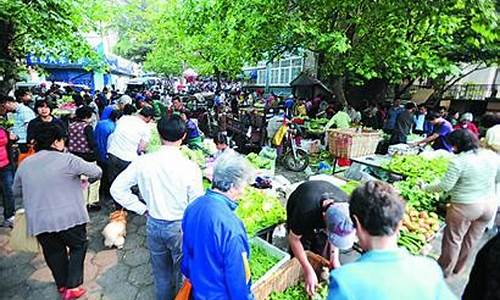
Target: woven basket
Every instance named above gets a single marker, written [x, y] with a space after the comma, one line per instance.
[348, 143]
[289, 274]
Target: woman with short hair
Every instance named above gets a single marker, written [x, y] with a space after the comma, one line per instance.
[215, 245]
[470, 180]
[49, 184]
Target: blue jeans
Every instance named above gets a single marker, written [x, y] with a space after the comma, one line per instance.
[165, 246]
[6, 180]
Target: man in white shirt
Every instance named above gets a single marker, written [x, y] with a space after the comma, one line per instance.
[128, 141]
[167, 181]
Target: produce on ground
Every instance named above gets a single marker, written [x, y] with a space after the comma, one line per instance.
[260, 162]
[261, 261]
[259, 211]
[298, 292]
[350, 186]
[418, 169]
[316, 158]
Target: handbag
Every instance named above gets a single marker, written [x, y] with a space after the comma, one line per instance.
[23, 156]
[185, 291]
[19, 239]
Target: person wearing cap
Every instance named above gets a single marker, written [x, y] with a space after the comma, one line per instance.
[384, 271]
[466, 123]
[404, 123]
[318, 220]
[128, 141]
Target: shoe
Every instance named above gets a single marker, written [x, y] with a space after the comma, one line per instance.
[70, 294]
[8, 222]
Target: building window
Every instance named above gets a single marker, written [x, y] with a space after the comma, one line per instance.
[275, 76]
[261, 76]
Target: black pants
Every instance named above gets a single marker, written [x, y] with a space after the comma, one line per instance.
[104, 186]
[66, 267]
[115, 167]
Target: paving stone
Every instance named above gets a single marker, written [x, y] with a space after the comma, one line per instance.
[4, 239]
[13, 276]
[131, 228]
[136, 257]
[90, 270]
[38, 261]
[113, 275]
[95, 296]
[133, 241]
[139, 220]
[146, 293]
[96, 244]
[40, 277]
[106, 259]
[92, 287]
[16, 259]
[48, 292]
[141, 275]
[121, 291]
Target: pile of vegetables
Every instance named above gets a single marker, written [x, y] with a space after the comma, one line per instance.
[206, 184]
[316, 125]
[418, 228]
[298, 292]
[260, 162]
[350, 186]
[260, 261]
[195, 155]
[322, 156]
[418, 169]
[259, 211]
[6, 123]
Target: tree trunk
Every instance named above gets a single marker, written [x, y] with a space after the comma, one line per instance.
[338, 84]
[7, 61]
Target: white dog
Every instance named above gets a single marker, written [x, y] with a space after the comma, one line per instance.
[114, 233]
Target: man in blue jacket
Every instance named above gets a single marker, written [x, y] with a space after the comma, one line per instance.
[384, 271]
[215, 246]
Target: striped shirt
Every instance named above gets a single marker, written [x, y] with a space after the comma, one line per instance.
[470, 178]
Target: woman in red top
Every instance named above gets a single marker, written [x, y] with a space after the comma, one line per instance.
[7, 178]
[466, 123]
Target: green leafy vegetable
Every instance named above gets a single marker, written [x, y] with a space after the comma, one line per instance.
[260, 261]
[259, 211]
[298, 292]
[260, 162]
[350, 186]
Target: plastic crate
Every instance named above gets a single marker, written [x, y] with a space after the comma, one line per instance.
[273, 251]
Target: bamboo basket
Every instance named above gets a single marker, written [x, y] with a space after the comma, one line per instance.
[289, 274]
[349, 143]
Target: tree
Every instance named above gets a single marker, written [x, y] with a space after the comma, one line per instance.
[41, 28]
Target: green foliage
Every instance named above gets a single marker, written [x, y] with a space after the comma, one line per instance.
[47, 27]
[261, 261]
[258, 211]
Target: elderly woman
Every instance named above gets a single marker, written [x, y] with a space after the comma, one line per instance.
[215, 246]
[466, 123]
[49, 184]
[470, 179]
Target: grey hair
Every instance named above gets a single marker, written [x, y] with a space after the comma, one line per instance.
[231, 170]
[467, 117]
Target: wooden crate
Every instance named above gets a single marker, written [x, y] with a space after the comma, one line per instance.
[289, 274]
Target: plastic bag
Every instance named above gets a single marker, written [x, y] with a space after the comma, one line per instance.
[185, 291]
[19, 238]
[280, 135]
